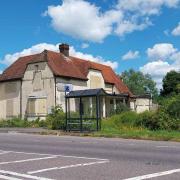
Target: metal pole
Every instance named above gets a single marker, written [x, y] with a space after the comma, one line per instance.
[99, 120]
[66, 113]
[97, 112]
[81, 128]
[69, 114]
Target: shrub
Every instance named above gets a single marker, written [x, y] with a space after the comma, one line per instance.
[173, 107]
[56, 120]
[120, 107]
[158, 120]
[14, 122]
[38, 123]
[127, 118]
[148, 120]
[170, 112]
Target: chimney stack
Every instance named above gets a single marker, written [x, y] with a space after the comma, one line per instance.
[64, 49]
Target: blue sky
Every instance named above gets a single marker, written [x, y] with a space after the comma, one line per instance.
[143, 35]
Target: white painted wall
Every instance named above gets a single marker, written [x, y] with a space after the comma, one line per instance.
[143, 104]
[60, 94]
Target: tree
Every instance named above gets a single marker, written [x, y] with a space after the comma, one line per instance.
[171, 83]
[139, 83]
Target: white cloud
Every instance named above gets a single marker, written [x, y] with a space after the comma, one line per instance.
[97, 59]
[130, 55]
[176, 31]
[161, 51]
[146, 7]
[165, 58]
[84, 20]
[10, 58]
[127, 27]
[1, 72]
[84, 45]
[158, 69]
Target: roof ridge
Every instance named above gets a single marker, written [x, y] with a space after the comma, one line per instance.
[90, 61]
[46, 50]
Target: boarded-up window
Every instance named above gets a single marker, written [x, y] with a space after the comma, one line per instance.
[31, 106]
[95, 82]
[41, 106]
[10, 87]
[37, 83]
[9, 108]
[37, 106]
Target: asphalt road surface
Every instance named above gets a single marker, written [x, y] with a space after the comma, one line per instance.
[24, 156]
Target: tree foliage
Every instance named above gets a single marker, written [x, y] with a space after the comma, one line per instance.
[171, 84]
[139, 83]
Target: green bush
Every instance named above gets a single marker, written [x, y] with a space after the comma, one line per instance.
[120, 107]
[56, 120]
[38, 123]
[14, 122]
[125, 118]
[173, 107]
[148, 120]
[170, 112]
[152, 120]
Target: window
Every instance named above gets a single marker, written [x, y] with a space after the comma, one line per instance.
[37, 107]
[95, 82]
[37, 82]
[111, 101]
[31, 106]
[9, 108]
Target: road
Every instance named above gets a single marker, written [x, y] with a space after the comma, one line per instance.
[24, 156]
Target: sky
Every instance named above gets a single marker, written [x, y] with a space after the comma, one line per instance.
[124, 34]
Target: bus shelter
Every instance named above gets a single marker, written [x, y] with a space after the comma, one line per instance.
[83, 109]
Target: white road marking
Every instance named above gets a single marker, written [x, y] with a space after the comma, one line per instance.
[23, 175]
[27, 160]
[168, 146]
[8, 178]
[66, 167]
[3, 153]
[148, 176]
[59, 155]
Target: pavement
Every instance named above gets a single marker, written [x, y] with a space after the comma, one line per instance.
[22, 130]
[27, 156]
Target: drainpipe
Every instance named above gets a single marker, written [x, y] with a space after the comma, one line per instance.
[21, 100]
[55, 90]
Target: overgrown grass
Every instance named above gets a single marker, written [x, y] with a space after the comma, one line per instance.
[21, 123]
[111, 127]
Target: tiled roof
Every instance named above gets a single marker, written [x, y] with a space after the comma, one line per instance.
[17, 69]
[65, 67]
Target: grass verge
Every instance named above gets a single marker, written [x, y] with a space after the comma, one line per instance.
[111, 130]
